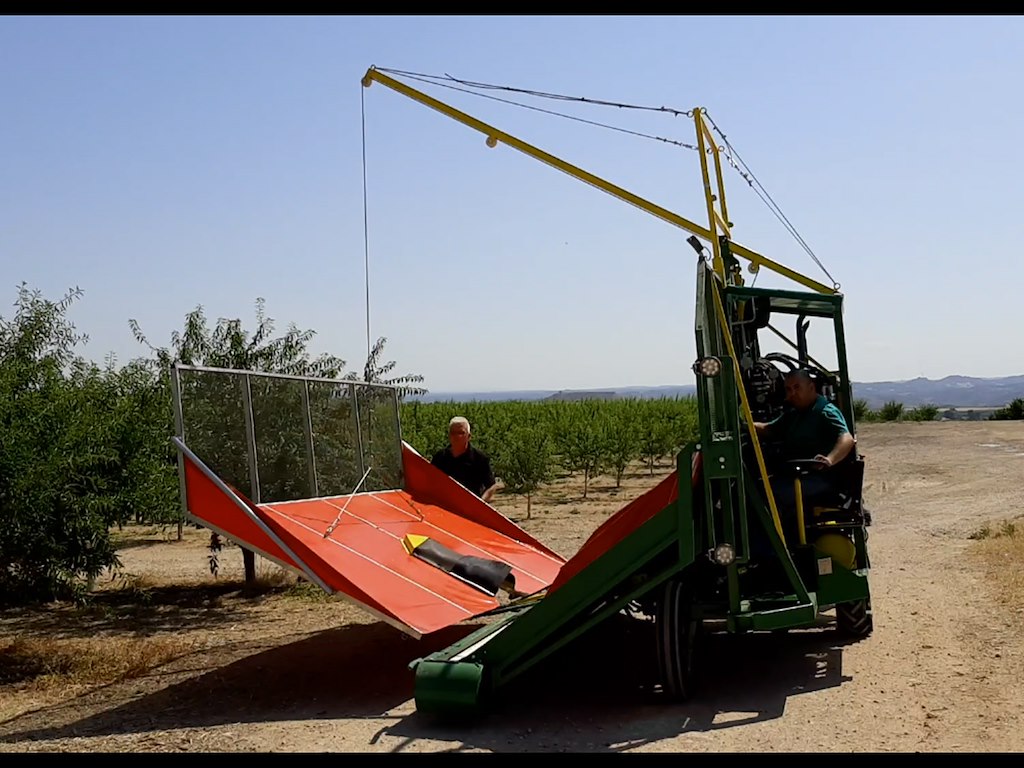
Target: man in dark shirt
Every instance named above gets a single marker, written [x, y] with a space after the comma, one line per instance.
[464, 463]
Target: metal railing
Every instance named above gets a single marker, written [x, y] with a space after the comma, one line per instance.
[279, 437]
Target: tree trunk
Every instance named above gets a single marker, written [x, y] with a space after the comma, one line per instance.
[249, 559]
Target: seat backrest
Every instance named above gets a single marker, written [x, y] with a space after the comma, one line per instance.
[848, 480]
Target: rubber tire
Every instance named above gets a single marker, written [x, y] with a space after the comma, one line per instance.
[855, 619]
[678, 635]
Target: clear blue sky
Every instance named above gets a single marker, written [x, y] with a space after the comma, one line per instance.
[164, 163]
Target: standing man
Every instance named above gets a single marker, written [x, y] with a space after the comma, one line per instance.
[464, 463]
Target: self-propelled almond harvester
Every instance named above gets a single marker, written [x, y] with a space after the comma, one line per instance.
[706, 549]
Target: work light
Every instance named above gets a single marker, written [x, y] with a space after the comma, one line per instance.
[708, 366]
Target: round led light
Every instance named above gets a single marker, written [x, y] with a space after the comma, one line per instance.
[710, 366]
[724, 554]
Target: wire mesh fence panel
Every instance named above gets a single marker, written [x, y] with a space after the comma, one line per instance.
[279, 428]
[213, 419]
[335, 438]
[381, 441]
[281, 438]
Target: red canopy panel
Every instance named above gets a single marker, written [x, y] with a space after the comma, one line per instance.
[624, 522]
[363, 556]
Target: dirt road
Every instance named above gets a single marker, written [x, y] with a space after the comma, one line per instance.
[941, 672]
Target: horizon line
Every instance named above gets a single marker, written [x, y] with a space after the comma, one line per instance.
[661, 386]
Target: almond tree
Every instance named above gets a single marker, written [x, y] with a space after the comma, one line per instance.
[76, 454]
[524, 461]
[215, 421]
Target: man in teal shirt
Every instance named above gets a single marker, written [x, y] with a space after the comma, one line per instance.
[813, 429]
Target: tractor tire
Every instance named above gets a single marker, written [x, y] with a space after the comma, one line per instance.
[678, 634]
[855, 619]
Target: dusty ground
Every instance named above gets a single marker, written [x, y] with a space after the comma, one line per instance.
[281, 672]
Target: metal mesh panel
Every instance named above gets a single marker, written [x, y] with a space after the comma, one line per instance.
[213, 417]
[279, 426]
[378, 425]
[335, 439]
[280, 438]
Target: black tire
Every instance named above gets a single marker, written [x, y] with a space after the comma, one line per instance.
[678, 634]
[855, 619]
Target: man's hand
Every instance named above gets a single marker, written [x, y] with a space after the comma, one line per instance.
[842, 448]
[489, 493]
[826, 462]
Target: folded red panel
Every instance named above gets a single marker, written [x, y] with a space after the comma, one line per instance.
[353, 544]
[624, 522]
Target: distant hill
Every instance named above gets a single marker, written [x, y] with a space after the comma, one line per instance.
[566, 395]
[948, 392]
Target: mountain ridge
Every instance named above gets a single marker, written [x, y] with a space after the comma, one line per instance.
[953, 391]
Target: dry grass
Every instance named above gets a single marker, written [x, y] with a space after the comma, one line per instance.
[46, 664]
[1000, 548]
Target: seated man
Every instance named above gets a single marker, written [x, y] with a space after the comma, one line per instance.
[464, 463]
[813, 428]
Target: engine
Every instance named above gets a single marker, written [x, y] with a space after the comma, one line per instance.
[765, 390]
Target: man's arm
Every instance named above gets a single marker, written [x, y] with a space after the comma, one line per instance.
[844, 440]
[770, 430]
[489, 493]
[839, 451]
[490, 481]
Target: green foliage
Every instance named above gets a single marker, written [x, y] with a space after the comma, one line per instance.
[587, 435]
[581, 441]
[524, 461]
[922, 413]
[621, 443]
[862, 411]
[1013, 411]
[376, 372]
[655, 442]
[228, 345]
[66, 428]
[891, 411]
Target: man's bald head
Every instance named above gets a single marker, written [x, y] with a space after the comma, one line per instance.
[800, 390]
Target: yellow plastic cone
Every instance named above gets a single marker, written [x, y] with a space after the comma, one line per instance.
[413, 540]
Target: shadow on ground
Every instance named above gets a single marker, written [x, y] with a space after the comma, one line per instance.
[596, 695]
[355, 671]
[600, 694]
[147, 612]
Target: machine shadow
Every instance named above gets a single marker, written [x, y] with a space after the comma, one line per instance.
[599, 693]
[354, 671]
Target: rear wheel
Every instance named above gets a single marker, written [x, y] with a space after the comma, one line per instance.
[678, 632]
[855, 619]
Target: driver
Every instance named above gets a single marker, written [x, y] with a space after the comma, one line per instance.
[813, 427]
